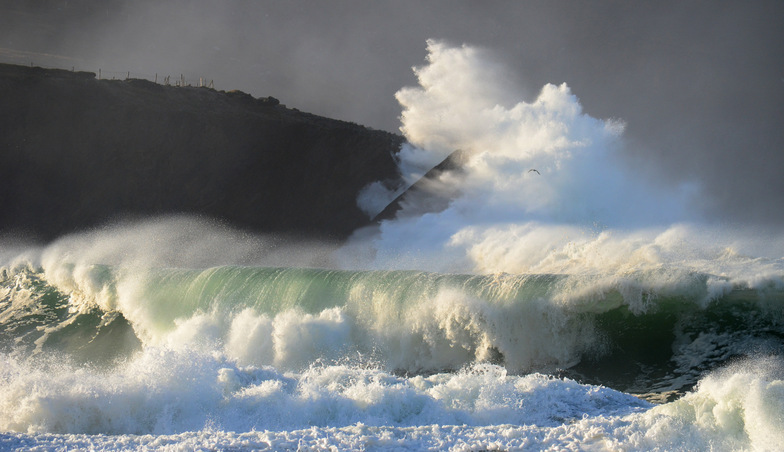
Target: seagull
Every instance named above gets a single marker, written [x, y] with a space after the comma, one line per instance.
[535, 170]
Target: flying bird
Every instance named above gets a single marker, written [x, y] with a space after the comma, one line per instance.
[535, 170]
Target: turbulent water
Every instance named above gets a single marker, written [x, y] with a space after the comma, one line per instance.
[95, 355]
[575, 307]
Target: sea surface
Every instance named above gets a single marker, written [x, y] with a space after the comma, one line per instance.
[237, 357]
[585, 305]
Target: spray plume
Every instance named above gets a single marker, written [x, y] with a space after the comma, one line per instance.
[543, 187]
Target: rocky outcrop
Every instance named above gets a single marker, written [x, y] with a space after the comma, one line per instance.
[428, 194]
[77, 152]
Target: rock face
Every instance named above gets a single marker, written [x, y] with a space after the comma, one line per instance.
[77, 152]
[428, 194]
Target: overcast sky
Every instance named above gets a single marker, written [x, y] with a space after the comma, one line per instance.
[699, 84]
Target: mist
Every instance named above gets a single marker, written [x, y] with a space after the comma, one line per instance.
[699, 86]
[541, 188]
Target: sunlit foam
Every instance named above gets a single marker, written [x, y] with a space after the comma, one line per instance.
[544, 189]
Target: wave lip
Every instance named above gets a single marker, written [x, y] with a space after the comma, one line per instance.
[644, 332]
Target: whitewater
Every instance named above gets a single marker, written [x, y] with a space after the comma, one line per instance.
[580, 306]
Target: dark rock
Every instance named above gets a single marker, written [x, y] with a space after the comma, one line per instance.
[77, 152]
[269, 100]
[427, 194]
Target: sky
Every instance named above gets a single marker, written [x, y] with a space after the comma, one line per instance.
[699, 84]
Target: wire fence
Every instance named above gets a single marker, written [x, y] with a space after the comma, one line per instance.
[26, 59]
[167, 80]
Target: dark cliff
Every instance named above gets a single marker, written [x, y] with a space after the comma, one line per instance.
[77, 152]
[428, 194]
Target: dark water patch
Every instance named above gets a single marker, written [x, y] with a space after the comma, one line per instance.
[664, 353]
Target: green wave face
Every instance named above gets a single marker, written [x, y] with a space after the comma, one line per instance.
[273, 290]
[644, 332]
[36, 317]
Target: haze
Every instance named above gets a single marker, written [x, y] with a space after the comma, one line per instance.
[700, 85]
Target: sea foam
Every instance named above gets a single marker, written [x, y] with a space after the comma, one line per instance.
[433, 330]
[193, 401]
[584, 209]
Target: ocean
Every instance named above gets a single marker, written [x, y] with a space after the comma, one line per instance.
[577, 307]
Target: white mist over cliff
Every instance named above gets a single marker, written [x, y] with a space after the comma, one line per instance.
[544, 187]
